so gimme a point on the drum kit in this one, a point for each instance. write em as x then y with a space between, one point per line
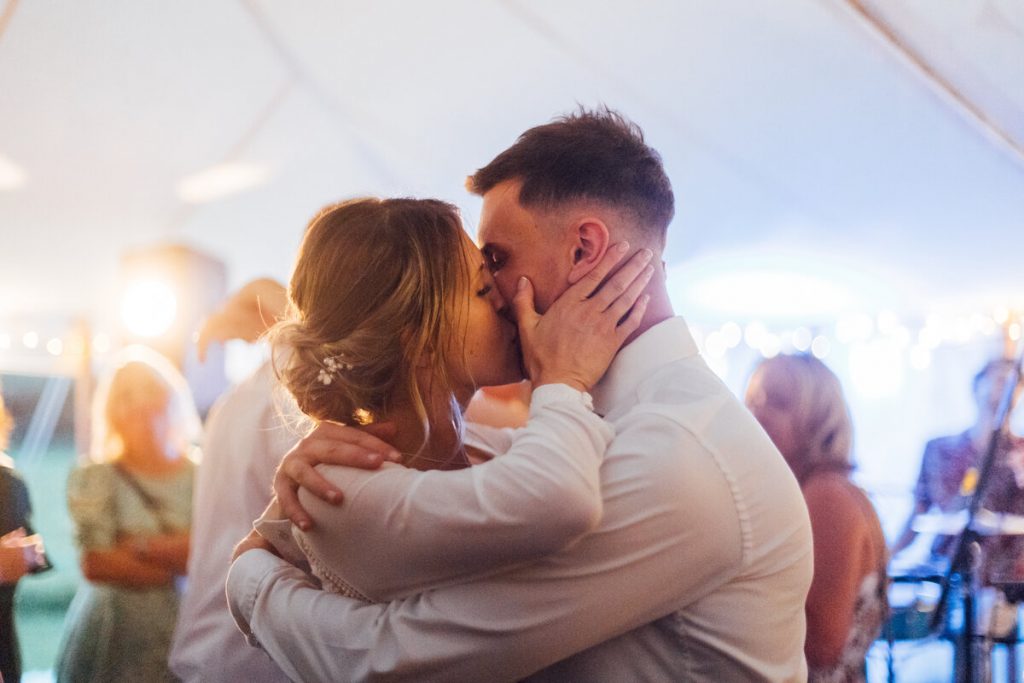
916 591
945 599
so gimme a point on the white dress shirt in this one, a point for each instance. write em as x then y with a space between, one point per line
698 570
245 440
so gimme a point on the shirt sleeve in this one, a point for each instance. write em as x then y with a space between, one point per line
493 441
401 530
922 494
91 504
672 539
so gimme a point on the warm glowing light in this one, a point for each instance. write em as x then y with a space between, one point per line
101 343
731 334
802 339
5 341
876 368
221 181
30 340
770 345
12 177
1001 315
55 347
754 334
148 307
854 327
1013 332
821 346
76 345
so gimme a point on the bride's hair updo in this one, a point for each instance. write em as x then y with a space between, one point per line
373 300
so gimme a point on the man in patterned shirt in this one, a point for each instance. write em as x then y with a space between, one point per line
949 473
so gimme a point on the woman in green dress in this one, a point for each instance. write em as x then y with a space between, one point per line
132 508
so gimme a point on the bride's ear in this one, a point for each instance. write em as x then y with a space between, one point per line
590 242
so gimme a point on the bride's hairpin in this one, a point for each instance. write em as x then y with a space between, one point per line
332 366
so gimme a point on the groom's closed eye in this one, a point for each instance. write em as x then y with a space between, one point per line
494 258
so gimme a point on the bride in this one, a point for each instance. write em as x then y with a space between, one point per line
395 319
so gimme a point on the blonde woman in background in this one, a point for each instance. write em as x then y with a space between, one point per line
800 404
131 507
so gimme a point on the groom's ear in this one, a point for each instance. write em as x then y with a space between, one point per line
589 244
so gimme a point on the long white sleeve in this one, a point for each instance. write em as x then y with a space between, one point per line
402 530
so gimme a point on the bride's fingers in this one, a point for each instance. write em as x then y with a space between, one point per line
286 489
625 301
631 323
589 284
340 444
291 509
620 282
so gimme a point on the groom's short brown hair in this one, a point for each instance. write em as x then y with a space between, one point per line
595 155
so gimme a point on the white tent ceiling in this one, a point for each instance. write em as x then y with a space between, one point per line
793 128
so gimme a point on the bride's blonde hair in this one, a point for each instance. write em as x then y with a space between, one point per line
373 300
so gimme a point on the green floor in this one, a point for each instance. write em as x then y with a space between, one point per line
43 599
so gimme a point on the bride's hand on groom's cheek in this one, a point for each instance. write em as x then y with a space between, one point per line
574 341
330 444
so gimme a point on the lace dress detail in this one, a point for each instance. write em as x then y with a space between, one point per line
869 614
329 580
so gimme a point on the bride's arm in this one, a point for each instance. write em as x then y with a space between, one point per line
403 530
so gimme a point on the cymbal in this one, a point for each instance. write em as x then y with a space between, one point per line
986 523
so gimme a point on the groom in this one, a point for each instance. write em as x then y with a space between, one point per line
701 563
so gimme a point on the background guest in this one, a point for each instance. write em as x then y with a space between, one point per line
949 472
20 550
800 404
132 509
244 441
507 405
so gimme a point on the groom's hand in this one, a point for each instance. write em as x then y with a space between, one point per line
575 340
331 444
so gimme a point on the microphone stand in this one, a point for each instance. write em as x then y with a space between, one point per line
961 566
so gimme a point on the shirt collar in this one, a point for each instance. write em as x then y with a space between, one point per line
666 342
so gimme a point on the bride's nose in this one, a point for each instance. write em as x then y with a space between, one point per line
508 313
